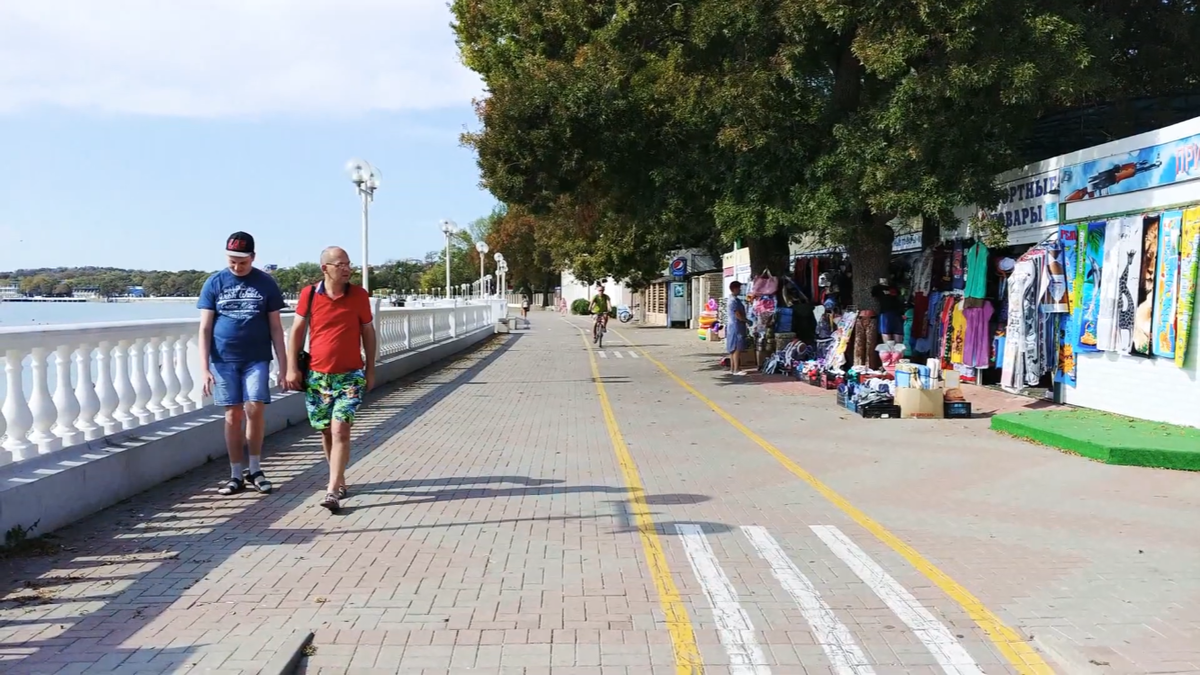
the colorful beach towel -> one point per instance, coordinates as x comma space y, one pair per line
1069, 236
1189, 268
1143, 319
1166, 285
1093, 264
1122, 254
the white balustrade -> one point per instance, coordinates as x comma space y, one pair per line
66, 385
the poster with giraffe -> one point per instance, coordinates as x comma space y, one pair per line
1189, 268
1166, 285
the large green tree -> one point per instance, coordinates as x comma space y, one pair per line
755, 120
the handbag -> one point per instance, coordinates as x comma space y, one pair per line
304, 359
765, 285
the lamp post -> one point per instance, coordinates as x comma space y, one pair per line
482, 248
366, 180
499, 258
448, 229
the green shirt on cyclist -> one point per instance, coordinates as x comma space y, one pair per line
601, 304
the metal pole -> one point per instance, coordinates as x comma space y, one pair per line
448, 265
365, 268
481, 290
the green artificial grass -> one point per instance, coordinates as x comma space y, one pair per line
1108, 438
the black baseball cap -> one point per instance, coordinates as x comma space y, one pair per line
240, 245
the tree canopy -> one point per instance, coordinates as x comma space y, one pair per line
639, 127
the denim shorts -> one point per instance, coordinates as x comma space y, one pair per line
238, 383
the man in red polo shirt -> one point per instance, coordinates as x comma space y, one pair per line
337, 318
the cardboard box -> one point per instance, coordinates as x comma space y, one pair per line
921, 403
951, 379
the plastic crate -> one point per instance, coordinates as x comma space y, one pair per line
880, 411
957, 409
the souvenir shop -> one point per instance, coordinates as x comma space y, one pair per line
1129, 334
934, 331
1089, 300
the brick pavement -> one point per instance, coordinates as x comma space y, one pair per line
491, 530
1095, 564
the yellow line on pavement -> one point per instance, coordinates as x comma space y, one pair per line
1019, 653
679, 625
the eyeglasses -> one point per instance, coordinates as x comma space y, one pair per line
339, 265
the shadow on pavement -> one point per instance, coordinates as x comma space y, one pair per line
146, 570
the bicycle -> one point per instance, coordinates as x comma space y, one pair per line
598, 330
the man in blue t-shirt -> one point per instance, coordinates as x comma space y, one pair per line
239, 324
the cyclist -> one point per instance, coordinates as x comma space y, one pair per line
601, 307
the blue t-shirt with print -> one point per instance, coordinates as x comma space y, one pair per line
241, 332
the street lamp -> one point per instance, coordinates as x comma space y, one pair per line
482, 248
499, 258
366, 179
448, 229
503, 271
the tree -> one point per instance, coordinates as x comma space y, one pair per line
677, 123
40, 285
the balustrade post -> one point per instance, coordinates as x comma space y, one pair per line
453, 323
141, 385
407, 331
432, 326
42, 406
65, 401
183, 370
106, 390
154, 381
170, 399
18, 419
123, 385
85, 394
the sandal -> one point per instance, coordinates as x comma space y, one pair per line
342, 492
231, 487
259, 481
331, 502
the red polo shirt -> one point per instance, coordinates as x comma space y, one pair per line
335, 327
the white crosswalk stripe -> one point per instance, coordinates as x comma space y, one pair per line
940, 642
739, 637
619, 355
831, 633
734, 628
603, 354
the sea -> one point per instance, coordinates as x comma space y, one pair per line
20, 314
30, 314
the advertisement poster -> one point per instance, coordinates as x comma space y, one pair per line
1142, 320
1164, 164
1189, 268
1166, 284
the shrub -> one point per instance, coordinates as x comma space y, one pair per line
581, 307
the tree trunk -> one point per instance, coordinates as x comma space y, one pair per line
769, 253
870, 249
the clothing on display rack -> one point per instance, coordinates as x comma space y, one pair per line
977, 268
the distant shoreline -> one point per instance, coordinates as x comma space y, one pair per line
99, 300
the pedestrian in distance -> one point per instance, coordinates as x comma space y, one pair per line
735, 332
239, 324
336, 317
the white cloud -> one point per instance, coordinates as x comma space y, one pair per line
230, 58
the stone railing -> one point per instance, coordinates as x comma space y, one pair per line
66, 385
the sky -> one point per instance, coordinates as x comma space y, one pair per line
141, 133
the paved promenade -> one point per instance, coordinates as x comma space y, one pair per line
539, 507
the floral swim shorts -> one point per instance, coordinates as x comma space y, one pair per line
333, 396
